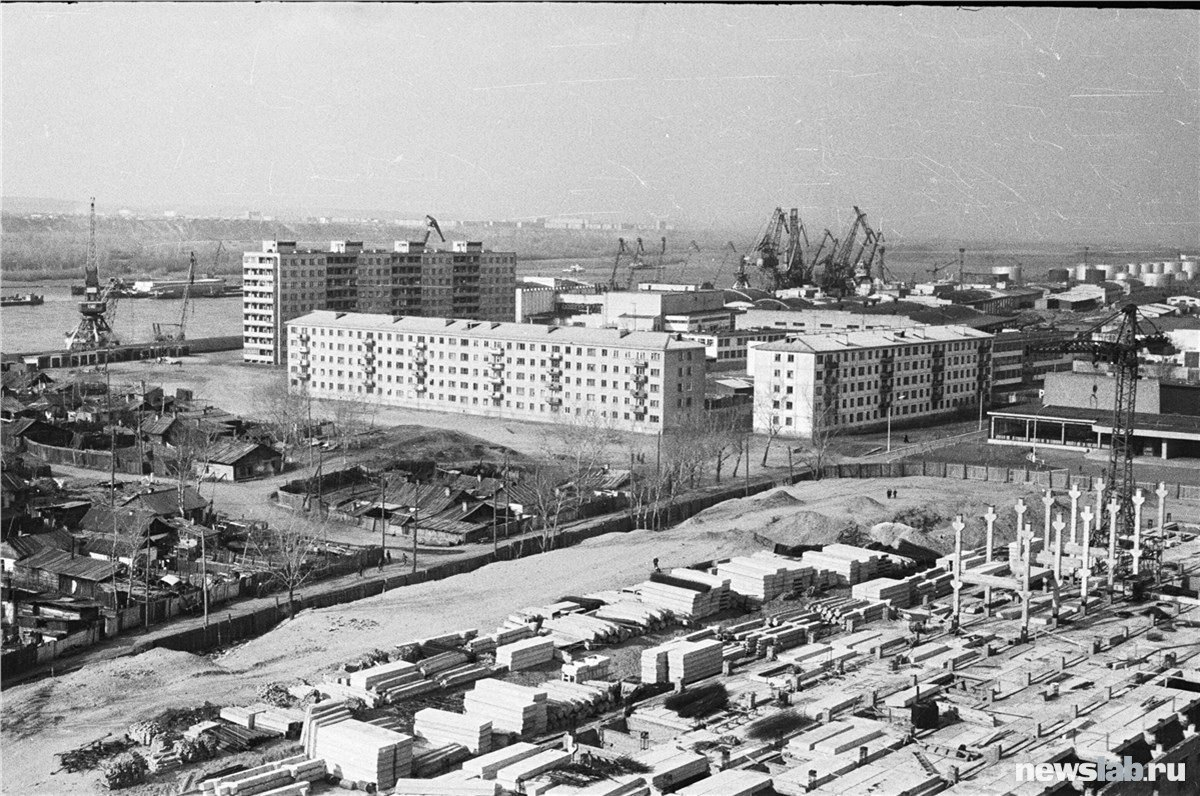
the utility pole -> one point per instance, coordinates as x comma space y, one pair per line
747, 494
416, 522
382, 517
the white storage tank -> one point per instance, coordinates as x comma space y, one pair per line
1159, 280
1134, 269
1191, 269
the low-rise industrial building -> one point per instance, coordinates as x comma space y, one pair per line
819, 320
857, 380
637, 381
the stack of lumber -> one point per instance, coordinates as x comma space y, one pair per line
510, 708
694, 660
577, 628
511, 776
506, 635
568, 703
654, 663
593, 667
765, 576
731, 782
385, 675
446, 641
682, 597
628, 785
243, 717
670, 765
781, 637
634, 615
268, 778
444, 727
897, 593
845, 564
933, 583
463, 674
284, 721
709, 579
970, 558
525, 654
837, 610
337, 687
441, 662
486, 766
319, 715
430, 761
433, 787
360, 752
164, 759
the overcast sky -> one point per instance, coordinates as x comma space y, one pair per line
1018, 124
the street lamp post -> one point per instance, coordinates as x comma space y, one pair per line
902, 396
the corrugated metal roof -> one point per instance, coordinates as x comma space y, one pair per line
232, 452
853, 341
60, 563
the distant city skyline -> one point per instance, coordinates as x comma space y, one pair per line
1021, 124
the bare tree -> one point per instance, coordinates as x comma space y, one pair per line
817, 451
288, 414
766, 419
723, 437
289, 553
551, 496
348, 423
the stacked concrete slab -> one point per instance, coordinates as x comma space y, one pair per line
360, 752
433, 787
512, 776
670, 765
765, 576
691, 601
444, 727
486, 766
593, 667
295, 772
681, 660
510, 708
526, 653
731, 782
845, 563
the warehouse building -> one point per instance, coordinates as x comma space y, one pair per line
634, 381
855, 381
283, 282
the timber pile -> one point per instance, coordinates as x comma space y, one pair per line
441, 662
766, 576
845, 564
506, 635
243, 717
335, 687
510, 708
463, 674
574, 629
897, 593
731, 782
443, 727
681, 597
511, 776
429, 761
165, 758
433, 787
525, 654
836, 610
378, 678
296, 772
680, 659
360, 752
486, 766
593, 667
569, 703
264, 717
637, 616
670, 765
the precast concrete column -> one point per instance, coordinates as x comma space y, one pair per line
957, 584
1099, 504
1074, 495
1138, 499
1113, 507
1047, 502
1086, 570
990, 518
1058, 549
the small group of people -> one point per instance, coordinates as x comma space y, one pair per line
386, 558
893, 493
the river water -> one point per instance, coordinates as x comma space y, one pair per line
42, 328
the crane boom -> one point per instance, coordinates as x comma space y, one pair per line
612, 280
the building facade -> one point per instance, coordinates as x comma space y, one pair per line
819, 320
633, 381
854, 381
283, 282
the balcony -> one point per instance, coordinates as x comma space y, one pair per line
556, 372
420, 388
639, 378
497, 397
640, 395
554, 400
420, 360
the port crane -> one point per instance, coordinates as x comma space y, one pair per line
661, 253
97, 309
1120, 349
162, 333
612, 280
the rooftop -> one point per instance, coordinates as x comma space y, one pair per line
522, 332
851, 341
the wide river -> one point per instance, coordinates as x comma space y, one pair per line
42, 328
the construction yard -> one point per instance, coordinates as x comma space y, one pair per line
106, 697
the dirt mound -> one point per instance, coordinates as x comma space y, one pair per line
803, 527
890, 532
862, 506
419, 442
779, 498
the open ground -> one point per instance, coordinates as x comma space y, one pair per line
56, 714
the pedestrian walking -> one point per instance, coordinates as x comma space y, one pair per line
655, 564
389, 556
360, 568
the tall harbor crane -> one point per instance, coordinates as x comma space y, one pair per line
1120, 349
612, 280
162, 331
97, 309
431, 226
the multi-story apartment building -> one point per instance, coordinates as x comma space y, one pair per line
283, 282
854, 380
819, 320
636, 381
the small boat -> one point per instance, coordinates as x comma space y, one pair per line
22, 300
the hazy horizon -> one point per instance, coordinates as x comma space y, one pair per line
1024, 124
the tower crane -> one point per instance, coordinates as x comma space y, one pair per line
1120, 349
431, 226
661, 253
612, 280
97, 309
